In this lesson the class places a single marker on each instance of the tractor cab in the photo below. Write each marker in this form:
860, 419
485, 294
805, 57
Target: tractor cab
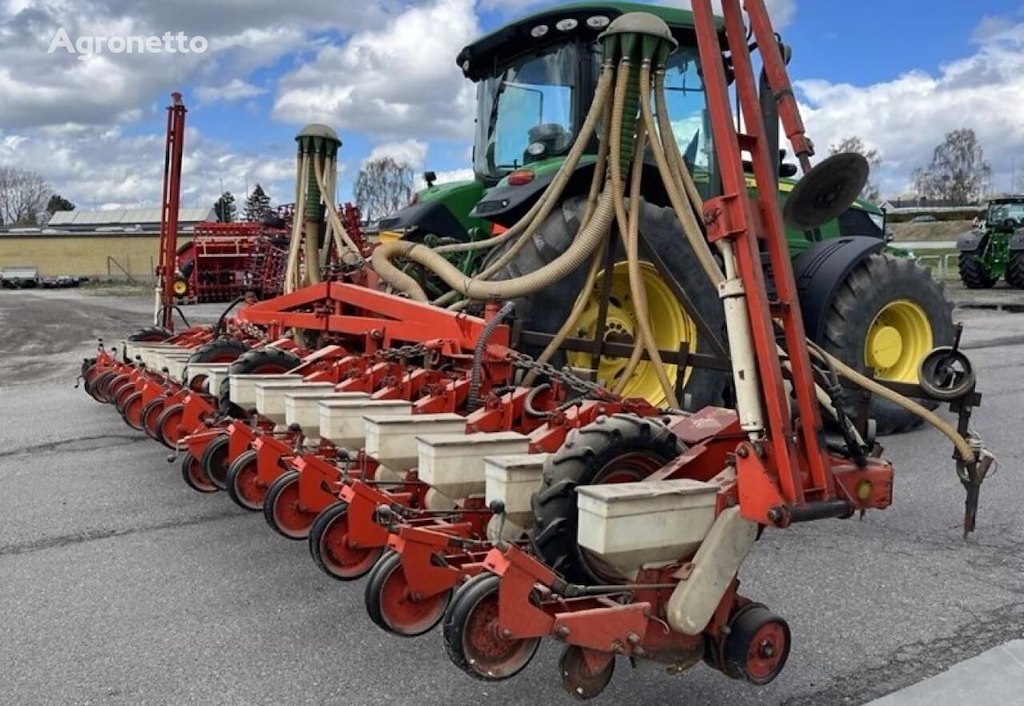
1005, 215
536, 79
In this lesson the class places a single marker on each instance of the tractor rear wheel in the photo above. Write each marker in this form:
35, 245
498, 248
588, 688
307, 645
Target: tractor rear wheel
886, 316
1015, 269
973, 271
258, 361
545, 311
617, 449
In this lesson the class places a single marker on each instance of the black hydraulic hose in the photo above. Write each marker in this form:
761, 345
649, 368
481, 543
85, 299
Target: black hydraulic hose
473, 401
220, 322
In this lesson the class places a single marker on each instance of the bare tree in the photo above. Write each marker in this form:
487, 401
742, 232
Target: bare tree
871, 192
23, 196
958, 173
382, 187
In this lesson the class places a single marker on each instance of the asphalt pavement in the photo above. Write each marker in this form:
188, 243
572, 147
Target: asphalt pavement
119, 585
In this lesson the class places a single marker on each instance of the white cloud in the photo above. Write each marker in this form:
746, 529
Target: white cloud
398, 81
412, 153
105, 168
905, 118
42, 88
234, 90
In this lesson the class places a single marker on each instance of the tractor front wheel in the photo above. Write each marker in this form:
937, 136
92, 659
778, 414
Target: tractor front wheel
886, 316
973, 270
1015, 269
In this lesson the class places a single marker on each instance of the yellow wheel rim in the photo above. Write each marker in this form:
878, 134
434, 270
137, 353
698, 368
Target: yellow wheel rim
179, 287
670, 323
897, 339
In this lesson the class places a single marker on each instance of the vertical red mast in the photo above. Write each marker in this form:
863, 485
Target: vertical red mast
169, 213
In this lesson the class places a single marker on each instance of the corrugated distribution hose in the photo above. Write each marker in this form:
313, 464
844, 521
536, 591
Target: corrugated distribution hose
629, 228
575, 255
476, 373
295, 246
343, 240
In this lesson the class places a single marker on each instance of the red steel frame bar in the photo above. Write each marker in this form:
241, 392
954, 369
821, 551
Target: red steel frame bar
735, 215
169, 213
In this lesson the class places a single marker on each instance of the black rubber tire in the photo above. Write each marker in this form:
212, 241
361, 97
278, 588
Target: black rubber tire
1015, 269
150, 333
193, 475
376, 581
101, 386
222, 350
132, 399
737, 644
280, 484
470, 595
114, 386
152, 408
545, 311
874, 282
320, 525
214, 463
583, 460
165, 415
973, 272
265, 360
327, 517
236, 468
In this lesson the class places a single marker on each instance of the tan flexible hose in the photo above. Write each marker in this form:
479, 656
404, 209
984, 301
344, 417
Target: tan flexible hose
342, 239
586, 241
680, 203
675, 157
632, 243
295, 246
641, 305
542, 208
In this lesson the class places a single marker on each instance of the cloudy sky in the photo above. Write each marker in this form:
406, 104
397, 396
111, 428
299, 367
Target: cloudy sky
382, 72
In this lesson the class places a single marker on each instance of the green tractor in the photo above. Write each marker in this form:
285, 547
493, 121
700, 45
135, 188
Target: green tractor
535, 80
995, 249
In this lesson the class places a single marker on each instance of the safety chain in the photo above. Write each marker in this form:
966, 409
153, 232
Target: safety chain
402, 353
564, 377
